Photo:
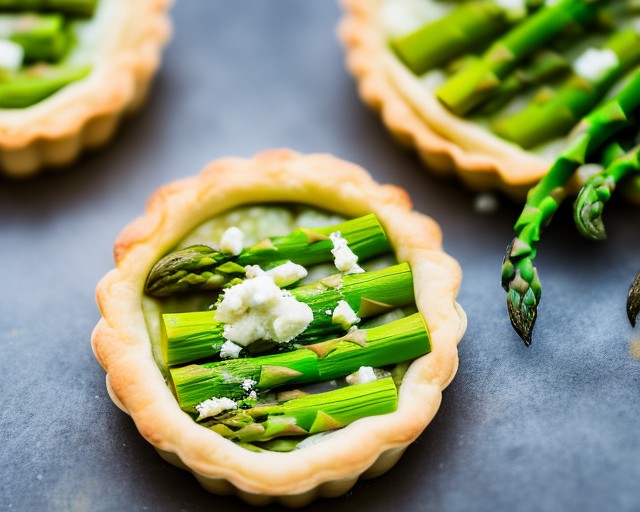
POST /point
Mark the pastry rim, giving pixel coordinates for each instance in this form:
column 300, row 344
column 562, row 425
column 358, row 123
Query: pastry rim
column 417, row 119
column 117, row 83
column 121, row 342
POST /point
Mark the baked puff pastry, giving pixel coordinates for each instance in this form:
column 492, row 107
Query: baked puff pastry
column 262, row 191
column 78, row 89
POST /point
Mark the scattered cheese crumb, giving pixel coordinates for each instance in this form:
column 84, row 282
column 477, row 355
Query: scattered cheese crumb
column 287, row 273
column 253, row 395
column 230, row 350
column 344, row 315
column 329, row 312
column 593, row 64
column 257, row 309
column 485, row 203
column 343, row 257
column 248, row 384
column 215, row 406
column 362, row 376
column 11, row 55
column 232, row 240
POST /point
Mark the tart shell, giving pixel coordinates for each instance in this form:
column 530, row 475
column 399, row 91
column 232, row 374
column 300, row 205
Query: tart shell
column 446, row 143
column 85, row 114
column 365, row 448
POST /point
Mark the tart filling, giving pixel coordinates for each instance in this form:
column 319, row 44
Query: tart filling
column 505, row 82
column 237, row 405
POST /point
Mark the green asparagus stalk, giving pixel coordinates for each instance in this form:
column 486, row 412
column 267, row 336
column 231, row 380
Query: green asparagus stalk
column 192, row 336
column 42, row 36
column 398, row 341
column 554, row 112
column 469, row 25
column 202, row 268
column 519, row 276
column 36, row 83
column 475, row 84
column 597, row 191
column 84, row 8
column 310, row 414
column 633, row 301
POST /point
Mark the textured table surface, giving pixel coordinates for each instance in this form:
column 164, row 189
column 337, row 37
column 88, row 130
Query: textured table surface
column 552, row 427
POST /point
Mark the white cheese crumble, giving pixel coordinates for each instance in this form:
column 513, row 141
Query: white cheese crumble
column 11, row 55
column 283, row 275
column 343, row 257
column 230, row 350
column 258, row 309
column 344, row 315
column 593, row 64
column 232, row 241
column 362, row 376
column 215, row 406
column 485, row 203
column 247, row 384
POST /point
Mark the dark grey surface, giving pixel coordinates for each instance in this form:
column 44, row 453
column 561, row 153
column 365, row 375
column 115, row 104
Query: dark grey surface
column 553, row 427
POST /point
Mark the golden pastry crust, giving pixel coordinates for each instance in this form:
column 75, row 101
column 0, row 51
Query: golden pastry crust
column 85, row 114
column 367, row 447
column 446, row 143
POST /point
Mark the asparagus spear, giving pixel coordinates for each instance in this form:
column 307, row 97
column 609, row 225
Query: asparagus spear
column 203, row 268
column 83, row 8
column 398, row 341
column 37, row 83
column 468, row 26
column 309, row 414
column 519, row 276
column 633, row 300
column 192, row 336
column 473, row 85
column 554, row 112
column 597, row 191
column 42, row 36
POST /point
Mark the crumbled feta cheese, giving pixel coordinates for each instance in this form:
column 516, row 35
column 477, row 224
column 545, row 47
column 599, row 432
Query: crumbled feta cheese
column 253, row 395
column 592, row 64
column 362, row 376
column 258, row 309
column 248, row 384
column 232, row 240
column 11, row 55
column 485, row 203
column 344, row 315
column 230, row 350
column 215, row 406
column 287, row 273
column 343, row 257
column 329, row 312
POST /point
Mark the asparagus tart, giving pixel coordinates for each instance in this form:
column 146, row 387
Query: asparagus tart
column 277, row 349
column 69, row 70
column 491, row 89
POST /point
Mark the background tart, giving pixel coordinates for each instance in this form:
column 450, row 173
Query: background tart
column 365, row 448
column 125, row 40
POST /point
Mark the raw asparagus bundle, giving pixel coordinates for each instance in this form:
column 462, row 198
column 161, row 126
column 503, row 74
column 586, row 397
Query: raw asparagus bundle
column 519, row 276
column 476, row 83
column 192, row 336
column 36, row 83
column 395, row 342
column 555, row 111
column 203, row 268
column 71, row 7
column 309, row 414
column 42, row 36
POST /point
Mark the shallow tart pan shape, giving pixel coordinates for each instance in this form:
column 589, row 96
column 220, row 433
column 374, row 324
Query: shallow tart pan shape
column 125, row 39
column 367, row 447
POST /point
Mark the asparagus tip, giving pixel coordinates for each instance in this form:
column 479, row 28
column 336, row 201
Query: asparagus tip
column 633, row 301
column 587, row 213
column 522, row 315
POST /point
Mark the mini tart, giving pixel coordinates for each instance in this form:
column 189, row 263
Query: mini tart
column 85, row 114
column 365, row 448
column 446, row 143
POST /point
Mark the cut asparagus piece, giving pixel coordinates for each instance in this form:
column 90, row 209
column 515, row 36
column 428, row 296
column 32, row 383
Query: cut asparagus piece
column 469, row 25
column 597, row 190
column 402, row 340
column 473, row 85
column 192, row 336
column 36, row 83
column 203, row 268
column 519, row 276
column 84, row 8
column 42, row 36
column 633, row 301
column 555, row 111
column 309, row 414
